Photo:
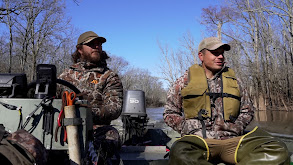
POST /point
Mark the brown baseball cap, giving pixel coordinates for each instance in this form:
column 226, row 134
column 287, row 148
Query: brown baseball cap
column 212, row 43
column 88, row 36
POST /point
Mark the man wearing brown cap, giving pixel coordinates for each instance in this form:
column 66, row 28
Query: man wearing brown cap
column 103, row 90
column 210, row 108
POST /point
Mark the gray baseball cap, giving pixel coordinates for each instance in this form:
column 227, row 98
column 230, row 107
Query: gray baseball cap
column 212, row 43
column 88, row 36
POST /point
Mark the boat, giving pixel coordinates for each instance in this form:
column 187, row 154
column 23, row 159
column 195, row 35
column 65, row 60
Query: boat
column 146, row 140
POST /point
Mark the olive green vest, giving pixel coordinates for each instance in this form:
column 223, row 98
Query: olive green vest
column 196, row 94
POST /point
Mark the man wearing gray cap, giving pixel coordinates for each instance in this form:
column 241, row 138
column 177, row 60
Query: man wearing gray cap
column 103, row 90
column 210, row 108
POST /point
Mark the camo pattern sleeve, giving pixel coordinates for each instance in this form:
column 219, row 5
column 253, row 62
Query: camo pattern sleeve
column 112, row 97
column 173, row 114
column 246, row 108
column 101, row 87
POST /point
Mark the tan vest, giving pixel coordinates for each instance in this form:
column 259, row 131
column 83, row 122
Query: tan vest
column 196, row 94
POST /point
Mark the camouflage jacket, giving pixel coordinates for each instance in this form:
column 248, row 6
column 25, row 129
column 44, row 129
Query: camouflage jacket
column 100, row 86
column 216, row 127
column 33, row 145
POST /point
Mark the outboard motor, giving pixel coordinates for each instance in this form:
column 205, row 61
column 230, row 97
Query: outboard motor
column 134, row 116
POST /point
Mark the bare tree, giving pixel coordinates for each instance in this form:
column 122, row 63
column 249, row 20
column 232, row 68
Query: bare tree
column 9, row 24
column 40, row 31
column 14, row 8
column 174, row 64
column 188, row 50
column 169, row 64
column 8, row 10
column 284, row 10
column 117, row 64
column 215, row 17
column 3, row 53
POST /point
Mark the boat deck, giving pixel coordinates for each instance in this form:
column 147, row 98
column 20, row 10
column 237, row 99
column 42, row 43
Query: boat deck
column 162, row 137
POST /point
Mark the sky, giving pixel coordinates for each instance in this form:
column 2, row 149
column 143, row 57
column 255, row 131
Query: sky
column 133, row 28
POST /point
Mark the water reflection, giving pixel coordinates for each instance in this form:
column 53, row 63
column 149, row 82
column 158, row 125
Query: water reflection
column 155, row 114
column 273, row 116
column 273, row 121
column 260, row 116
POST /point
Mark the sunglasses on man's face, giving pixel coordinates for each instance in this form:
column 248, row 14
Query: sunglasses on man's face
column 217, row 52
column 94, row 43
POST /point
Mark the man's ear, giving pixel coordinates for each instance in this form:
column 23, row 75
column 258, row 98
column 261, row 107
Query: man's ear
column 200, row 56
column 79, row 50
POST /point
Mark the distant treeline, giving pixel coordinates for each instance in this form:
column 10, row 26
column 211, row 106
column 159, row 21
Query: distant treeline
column 139, row 79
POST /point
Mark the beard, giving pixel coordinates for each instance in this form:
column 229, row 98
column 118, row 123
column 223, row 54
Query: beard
column 93, row 57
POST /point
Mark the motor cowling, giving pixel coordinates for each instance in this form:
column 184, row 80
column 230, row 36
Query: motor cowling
column 134, row 116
